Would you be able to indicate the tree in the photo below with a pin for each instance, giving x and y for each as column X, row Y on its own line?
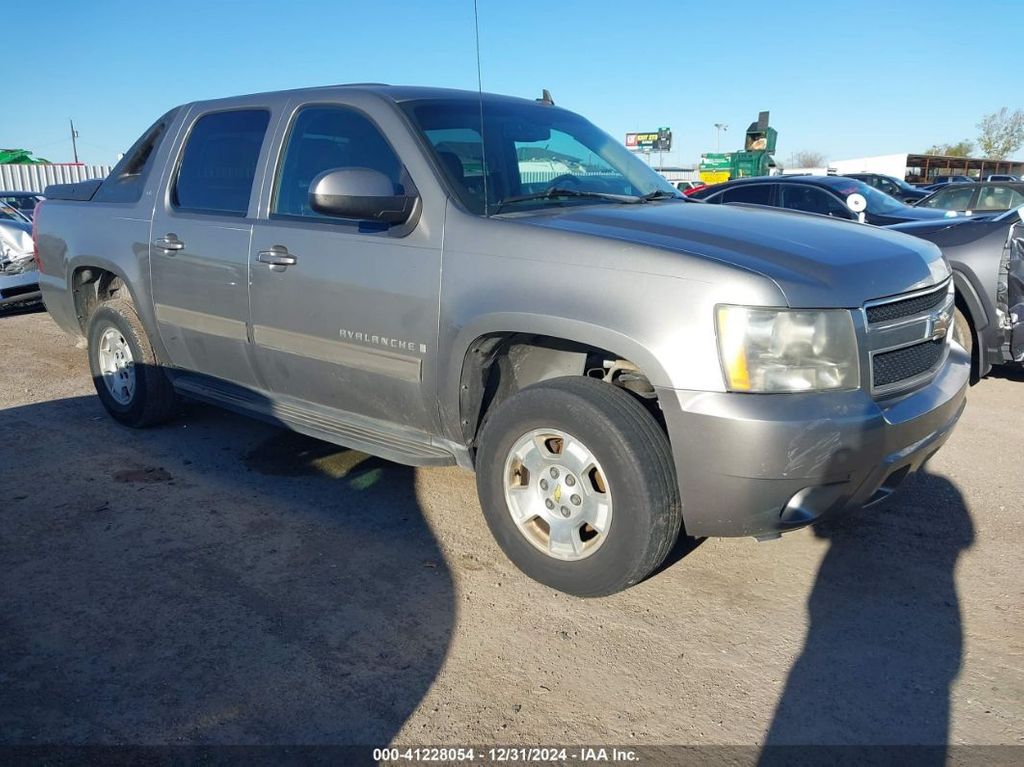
column 1002, row 133
column 959, row 149
column 806, row 159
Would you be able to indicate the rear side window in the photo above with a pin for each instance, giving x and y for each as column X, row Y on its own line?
column 219, row 162
column 998, row 198
column 755, row 194
column 327, row 138
column 127, row 179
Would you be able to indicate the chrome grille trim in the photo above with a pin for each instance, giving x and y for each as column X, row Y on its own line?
column 928, row 319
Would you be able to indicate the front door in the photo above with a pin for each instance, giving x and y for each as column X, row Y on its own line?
column 200, row 245
column 344, row 313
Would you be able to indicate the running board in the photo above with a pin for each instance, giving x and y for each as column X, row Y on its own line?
column 358, row 433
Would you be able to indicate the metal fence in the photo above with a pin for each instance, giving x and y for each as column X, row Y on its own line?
column 35, row 178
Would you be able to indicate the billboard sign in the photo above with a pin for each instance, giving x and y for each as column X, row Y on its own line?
column 652, row 141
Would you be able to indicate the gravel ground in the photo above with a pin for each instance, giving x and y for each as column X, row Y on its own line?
column 216, row 580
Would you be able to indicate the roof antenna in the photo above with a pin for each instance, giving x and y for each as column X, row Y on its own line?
column 545, row 98
column 480, row 93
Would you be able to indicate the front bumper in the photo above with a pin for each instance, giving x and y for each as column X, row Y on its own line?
column 758, row 465
column 19, row 288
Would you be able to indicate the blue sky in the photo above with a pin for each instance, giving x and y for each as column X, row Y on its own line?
column 845, row 79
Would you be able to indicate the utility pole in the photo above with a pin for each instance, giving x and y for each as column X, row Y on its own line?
column 74, row 136
column 718, row 136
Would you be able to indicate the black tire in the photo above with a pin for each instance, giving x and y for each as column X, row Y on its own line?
column 153, row 400
column 635, row 455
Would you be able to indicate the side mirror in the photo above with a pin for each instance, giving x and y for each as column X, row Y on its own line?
column 361, row 194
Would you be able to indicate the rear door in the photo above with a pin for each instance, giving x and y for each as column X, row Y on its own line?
column 350, row 321
column 200, row 242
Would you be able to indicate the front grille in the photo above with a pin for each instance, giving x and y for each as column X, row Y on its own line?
column 908, row 362
column 908, row 307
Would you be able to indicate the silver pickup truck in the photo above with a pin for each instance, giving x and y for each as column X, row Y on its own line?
column 440, row 277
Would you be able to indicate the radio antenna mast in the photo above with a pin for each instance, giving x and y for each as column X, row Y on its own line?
column 480, row 93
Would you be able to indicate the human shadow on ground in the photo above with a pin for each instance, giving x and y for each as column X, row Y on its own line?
column 884, row 642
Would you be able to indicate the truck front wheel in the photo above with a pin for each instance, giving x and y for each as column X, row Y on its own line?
column 129, row 381
column 577, row 484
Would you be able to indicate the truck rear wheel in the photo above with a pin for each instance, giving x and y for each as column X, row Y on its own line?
column 577, row 484
column 128, row 379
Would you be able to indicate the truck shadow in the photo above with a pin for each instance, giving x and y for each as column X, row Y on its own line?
column 214, row 580
column 884, row 643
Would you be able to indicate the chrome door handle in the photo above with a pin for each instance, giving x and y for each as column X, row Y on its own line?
column 169, row 241
column 276, row 256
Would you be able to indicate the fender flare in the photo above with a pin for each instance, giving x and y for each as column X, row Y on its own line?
column 979, row 318
column 965, row 287
column 144, row 310
column 505, row 323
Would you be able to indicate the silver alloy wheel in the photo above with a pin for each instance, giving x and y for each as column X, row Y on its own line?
column 558, row 494
column 117, row 365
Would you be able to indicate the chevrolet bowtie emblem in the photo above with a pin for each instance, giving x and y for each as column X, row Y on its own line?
column 558, row 493
column 940, row 325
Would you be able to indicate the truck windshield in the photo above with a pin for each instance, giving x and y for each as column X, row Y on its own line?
column 530, row 150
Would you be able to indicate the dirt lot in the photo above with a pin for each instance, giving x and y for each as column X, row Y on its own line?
column 216, row 580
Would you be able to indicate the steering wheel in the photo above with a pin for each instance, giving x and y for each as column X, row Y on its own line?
column 565, row 178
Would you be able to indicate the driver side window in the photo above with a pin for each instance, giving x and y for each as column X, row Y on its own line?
column 325, row 138
column 887, row 186
column 812, row 200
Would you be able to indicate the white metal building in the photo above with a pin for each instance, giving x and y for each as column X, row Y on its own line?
column 920, row 167
column 35, row 178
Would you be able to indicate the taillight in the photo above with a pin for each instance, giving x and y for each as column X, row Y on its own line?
column 35, row 241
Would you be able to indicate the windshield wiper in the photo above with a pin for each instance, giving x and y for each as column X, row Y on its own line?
column 660, row 194
column 555, row 192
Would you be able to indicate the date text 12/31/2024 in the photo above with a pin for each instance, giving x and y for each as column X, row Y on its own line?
column 502, row 754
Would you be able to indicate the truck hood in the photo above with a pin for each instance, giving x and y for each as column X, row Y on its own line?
column 815, row 261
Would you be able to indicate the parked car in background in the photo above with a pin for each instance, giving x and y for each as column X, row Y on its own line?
column 1002, row 177
column 987, row 258
column 24, row 202
column 616, row 363
column 824, row 195
column 976, row 198
column 892, row 186
column 697, row 186
column 683, row 186
column 940, row 180
column 8, row 213
column 19, row 277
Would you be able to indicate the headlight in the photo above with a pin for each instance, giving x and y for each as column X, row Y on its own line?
column 784, row 350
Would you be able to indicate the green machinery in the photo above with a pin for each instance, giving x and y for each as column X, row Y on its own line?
column 19, row 157
column 754, row 160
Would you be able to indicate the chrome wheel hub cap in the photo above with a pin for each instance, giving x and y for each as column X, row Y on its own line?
column 558, row 494
column 117, row 366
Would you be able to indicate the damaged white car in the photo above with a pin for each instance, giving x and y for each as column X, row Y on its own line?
column 19, row 277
